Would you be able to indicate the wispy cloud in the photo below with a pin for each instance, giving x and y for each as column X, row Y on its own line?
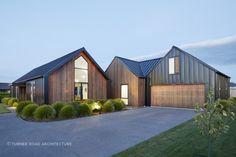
column 225, row 48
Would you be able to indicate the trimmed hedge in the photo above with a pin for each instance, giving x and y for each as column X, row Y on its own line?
column 57, row 107
column 118, row 104
column 28, row 111
column 68, row 111
column 44, row 112
column 84, row 110
column 15, row 104
column 21, row 106
column 5, row 100
column 11, row 101
column 94, row 106
column 108, row 106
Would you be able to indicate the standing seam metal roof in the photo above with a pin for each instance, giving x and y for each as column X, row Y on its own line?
column 140, row 68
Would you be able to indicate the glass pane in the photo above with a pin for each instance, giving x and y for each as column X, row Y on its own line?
column 85, row 91
column 81, row 75
column 77, row 91
column 81, row 63
column 171, row 66
column 124, row 91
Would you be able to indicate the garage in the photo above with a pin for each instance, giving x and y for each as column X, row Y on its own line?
column 178, row 95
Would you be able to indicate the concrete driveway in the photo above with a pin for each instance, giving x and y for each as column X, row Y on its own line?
column 97, row 136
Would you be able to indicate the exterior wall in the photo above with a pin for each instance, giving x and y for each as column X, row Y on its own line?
column 61, row 82
column 232, row 91
column 119, row 74
column 38, row 90
column 192, row 71
column 222, row 87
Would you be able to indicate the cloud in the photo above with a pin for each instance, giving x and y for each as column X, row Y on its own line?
column 216, row 51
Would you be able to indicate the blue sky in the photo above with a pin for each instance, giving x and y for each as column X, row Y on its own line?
column 35, row 32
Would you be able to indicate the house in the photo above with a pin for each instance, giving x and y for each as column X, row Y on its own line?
column 177, row 80
column 5, row 87
column 75, row 76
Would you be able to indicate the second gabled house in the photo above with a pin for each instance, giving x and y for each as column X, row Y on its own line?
column 74, row 76
column 177, row 80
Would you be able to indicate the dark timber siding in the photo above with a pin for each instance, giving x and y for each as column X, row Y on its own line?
column 222, row 87
column 192, row 71
column 38, row 94
column 61, row 82
column 119, row 74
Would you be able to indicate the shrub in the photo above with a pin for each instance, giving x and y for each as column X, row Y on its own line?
column 101, row 101
column 15, row 104
column 76, row 105
column 108, row 106
column 118, row 104
column 94, row 106
column 28, row 111
column 68, row 111
column 5, row 100
column 84, row 110
column 57, row 107
column 11, row 101
column 44, row 112
column 21, row 106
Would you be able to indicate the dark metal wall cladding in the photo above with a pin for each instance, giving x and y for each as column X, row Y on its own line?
column 191, row 72
column 222, row 87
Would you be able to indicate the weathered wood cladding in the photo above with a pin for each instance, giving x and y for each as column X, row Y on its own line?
column 119, row 74
column 61, row 82
column 192, row 71
column 37, row 86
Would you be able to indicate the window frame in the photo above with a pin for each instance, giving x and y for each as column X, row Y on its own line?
column 124, row 98
column 174, row 65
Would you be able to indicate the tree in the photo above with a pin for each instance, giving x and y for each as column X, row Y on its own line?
column 213, row 119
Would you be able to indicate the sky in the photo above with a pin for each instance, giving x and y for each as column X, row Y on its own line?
column 33, row 33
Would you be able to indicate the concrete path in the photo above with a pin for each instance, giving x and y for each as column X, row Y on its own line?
column 97, row 136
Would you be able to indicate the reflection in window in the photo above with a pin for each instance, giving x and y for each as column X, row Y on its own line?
column 174, row 65
column 81, row 79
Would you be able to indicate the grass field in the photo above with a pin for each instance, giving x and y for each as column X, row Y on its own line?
column 183, row 141
column 3, row 108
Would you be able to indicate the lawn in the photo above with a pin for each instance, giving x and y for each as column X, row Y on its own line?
column 3, row 108
column 183, row 140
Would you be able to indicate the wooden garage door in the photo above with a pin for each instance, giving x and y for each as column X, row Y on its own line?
column 177, row 95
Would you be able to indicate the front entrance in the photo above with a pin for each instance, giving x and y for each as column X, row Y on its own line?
column 81, row 91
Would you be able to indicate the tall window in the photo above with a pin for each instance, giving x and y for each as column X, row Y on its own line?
column 174, row 65
column 124, row 93
column 81, row 79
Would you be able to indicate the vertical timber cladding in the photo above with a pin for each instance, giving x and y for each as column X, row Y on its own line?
column 177, row 95
column 119, row 74
column 192, row 72
column 61, row 82
column 222, row 87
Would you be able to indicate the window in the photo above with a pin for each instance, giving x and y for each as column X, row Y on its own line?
column 81, row 79
column 124, row 93
column 174, row 65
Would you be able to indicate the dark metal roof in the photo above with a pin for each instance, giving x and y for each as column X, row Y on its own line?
column 5, row 86
column 48, row 68
column 140, row 68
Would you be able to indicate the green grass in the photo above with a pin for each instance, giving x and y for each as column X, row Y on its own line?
column 183, row 140
column 3, row 108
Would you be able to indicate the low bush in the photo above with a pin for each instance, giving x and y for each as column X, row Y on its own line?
column 44, row 112
column 4, row 95
column 118, row 104
column 94, row 106
column 68, row 111
column 108, row 106
column 57, row 107
column 84, row 110
column 101, row 101
column 28, row 111
column 76, row 105
column 11, row 101
column 15, row 104
column 21, row 106
column 5, row 100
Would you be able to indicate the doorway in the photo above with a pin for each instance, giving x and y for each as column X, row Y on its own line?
column 81, row 91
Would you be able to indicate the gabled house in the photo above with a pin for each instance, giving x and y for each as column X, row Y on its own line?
column 129, row 80
column 177, row 80
column 74, row 76
column 5, row 87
